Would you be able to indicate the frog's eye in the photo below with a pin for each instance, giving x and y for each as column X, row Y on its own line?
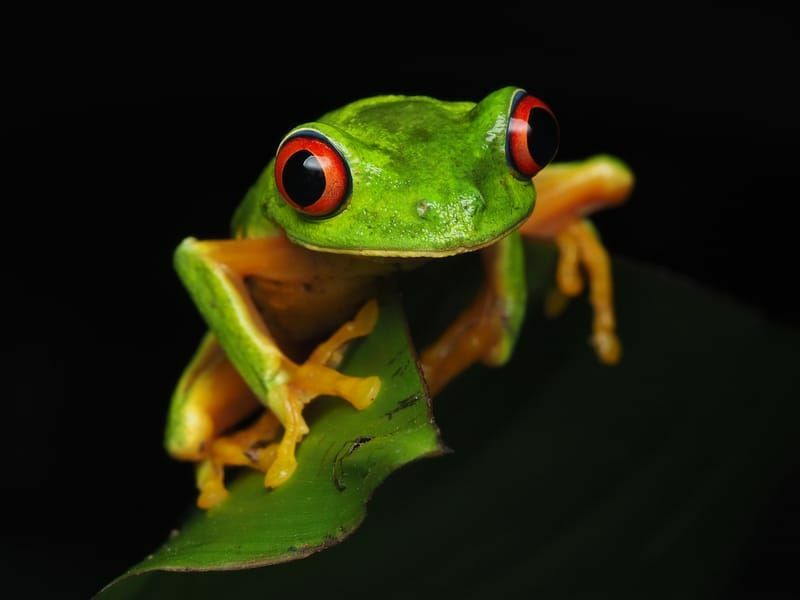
column 532, row 138
column 312, row 176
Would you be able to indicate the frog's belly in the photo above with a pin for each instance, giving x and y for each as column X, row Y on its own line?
column 299, row 314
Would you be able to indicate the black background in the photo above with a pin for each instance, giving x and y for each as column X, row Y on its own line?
column 103, row 178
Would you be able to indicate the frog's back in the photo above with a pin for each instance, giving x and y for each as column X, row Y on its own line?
column 395, row 122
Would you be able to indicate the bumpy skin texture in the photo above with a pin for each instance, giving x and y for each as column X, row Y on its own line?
column 430, row 178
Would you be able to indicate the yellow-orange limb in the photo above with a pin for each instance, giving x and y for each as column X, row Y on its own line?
column 569, row 192
column 583, row 241
column 279, row 259
column 294, row 428
column 466, row 341
column 314, row 378
column 210, row 398
column 248, row 447
column 329, row 353
column 473, row 336
column 299, row 293
column 568, row 276
column 566, row 193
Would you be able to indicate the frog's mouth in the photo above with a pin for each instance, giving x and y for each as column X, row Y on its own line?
column 414, row 253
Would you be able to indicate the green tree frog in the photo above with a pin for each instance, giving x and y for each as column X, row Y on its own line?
column 381, row 185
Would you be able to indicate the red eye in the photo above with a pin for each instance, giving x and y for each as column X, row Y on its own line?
column 532, row 138
column 311, row 175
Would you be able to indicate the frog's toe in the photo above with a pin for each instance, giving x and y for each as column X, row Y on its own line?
column 211, row 483
column 607, row 346
column 280, row 471
column 316, row 380
column 312, row 380
column 248, row 447
column 331, row 351
column 317, row 377
column 283, row 463
column 362, row 392
column 579, row 245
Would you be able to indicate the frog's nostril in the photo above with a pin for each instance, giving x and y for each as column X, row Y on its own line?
column 424, row 207
column 457, row 208
column 472, row 204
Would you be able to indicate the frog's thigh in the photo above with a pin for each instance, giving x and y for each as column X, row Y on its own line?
column 568, row 192
column 213, row 273
column 487, row 330
column 210, row 398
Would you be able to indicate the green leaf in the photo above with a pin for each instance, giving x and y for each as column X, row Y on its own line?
column 569, row 479
column 346, row 455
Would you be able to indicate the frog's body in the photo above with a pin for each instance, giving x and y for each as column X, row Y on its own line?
column 381, row 185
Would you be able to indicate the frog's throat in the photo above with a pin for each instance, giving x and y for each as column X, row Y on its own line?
column 394, row 253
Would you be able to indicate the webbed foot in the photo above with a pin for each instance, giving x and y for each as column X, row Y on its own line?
column 248, row 447
column 318, row 377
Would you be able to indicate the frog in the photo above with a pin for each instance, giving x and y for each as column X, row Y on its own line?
column 378, row 187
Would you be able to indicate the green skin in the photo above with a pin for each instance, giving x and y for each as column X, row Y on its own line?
column 430, row 178
column 422, row 172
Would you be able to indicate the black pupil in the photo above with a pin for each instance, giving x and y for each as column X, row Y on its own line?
column 542, row 136
column 303, row 178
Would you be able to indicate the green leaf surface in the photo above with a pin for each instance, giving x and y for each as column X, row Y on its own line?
column 569, row 479
column 345, row 456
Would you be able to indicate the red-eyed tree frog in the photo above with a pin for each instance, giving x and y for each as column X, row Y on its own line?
column 380, row 185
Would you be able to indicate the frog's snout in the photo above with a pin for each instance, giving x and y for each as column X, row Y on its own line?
column 466, row 206
column 472, row 204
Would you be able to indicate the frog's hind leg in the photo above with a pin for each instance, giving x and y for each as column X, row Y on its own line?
column 211, row 398
column 579, row 243
column 566, row 194
column 487, row 329
column 252, row 446
column 569, row 192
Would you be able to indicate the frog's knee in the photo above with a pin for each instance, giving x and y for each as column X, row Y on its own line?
column 502, row 351
column 186, row 257
column 614, row 175
column 189, row 433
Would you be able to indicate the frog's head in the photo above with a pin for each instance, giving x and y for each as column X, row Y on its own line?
column 410, row 176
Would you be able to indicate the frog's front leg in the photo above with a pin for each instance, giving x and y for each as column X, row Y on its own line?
column 566, row 194
column 486, row 330
column 214, row 273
